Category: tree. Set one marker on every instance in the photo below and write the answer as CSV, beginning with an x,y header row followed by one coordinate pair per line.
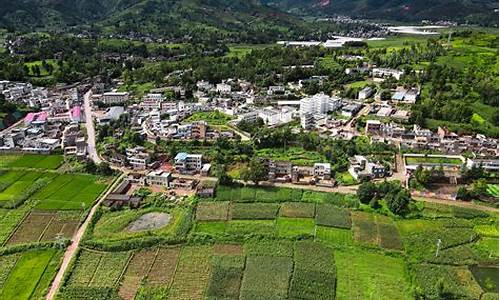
x,y
366,192
422,175
398,202
255,172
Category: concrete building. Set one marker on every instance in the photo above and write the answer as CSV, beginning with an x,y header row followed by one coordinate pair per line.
x,y
114,97
188,163
366,93
159,178
138,158
322,170
318,104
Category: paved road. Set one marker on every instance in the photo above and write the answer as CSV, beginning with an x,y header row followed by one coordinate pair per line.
x,y
89,124
71,250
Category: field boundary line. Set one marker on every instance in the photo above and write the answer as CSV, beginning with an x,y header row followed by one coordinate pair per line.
x,y
95,271
152,264
46,227
43,273
122,273
176,267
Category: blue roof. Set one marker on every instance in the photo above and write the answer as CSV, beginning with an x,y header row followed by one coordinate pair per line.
x,y
181,156
398,96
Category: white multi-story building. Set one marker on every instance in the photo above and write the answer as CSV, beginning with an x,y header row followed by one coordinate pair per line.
x,y
188,163
384,72
318,104
114,97
223,88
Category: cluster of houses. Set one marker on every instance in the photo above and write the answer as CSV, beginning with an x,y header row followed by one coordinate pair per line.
x,y
443,140
284,171
55,127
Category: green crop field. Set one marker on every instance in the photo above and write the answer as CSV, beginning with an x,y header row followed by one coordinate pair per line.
x,y
34,161
296,155
366,275
411,160
30,276
69,191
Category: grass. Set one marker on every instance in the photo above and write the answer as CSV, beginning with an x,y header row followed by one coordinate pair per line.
x,y
397,42
358,84
69,192
212,118
38,63
415,160
297,155
367,275
313,279
334,237
112,226
32,161
345,178
295,227
192,274
241,50
212,211
31,275
266,277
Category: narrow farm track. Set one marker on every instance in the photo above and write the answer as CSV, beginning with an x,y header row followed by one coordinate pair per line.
x,y
71,250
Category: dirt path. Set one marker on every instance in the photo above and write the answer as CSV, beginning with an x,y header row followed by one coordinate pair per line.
x,y
70,251
457,203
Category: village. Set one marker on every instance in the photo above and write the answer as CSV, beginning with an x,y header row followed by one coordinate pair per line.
x,y
58,123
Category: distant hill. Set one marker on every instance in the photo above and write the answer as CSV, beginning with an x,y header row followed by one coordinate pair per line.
x,y
171,18
477,11
250,19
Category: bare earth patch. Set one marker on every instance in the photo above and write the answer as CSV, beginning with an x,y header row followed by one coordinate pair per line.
x,y
150,221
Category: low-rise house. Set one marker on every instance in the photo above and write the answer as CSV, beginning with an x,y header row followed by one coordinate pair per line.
x,y
158,178
487,163
350,110
366,93
373,126
275,89
385,72
280,170
322,170
360,167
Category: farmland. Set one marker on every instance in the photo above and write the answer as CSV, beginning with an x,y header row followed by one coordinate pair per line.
x,y
27,275
266,243
33,161
40,205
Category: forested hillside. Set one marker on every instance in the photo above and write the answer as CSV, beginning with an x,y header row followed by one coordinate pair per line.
x,y
475,11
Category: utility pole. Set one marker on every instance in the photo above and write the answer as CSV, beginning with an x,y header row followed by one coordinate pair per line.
x,y
438,246
449,39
